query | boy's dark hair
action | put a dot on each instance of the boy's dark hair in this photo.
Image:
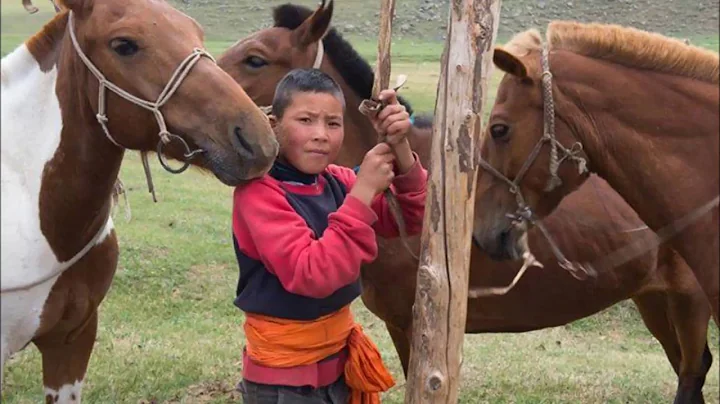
(305, 81)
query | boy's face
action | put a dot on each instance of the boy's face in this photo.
(311, 131)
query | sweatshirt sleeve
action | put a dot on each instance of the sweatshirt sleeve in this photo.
(409, 189)
(269, 230)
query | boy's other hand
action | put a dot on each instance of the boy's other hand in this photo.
(393, 120)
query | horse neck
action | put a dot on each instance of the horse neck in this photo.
(79, 177)
(654, 138)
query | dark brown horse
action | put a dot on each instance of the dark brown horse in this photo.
(99, 78)
(659, 282)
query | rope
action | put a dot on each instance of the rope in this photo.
(524, 213)
(180, 73)
(61, 268)
(549, 127)
(613, 260)
(631, 251)
(528, 261)
(118, 190)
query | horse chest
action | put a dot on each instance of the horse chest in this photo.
(26, 255)
(31, 125)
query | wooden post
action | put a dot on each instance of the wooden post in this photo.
(440, 308)
(381, 80)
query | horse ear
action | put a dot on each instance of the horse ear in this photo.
(508, 63)
(315, 27)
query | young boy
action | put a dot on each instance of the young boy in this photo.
(301, 234)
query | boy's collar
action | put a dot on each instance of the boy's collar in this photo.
(286, 172)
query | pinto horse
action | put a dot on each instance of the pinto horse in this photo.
(74, 98)
(638, 109)
(593, 221)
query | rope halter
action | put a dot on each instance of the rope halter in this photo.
(524, 213)
(165, 137)
(180, 73)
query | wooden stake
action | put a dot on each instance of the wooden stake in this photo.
(381, 82)
(382, 67)
(440, 309)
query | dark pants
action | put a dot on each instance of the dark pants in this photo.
(254, 393)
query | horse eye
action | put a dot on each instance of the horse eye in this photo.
(255, 62)
(499, 130)
(124, 46)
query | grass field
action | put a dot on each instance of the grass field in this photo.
(170, 334)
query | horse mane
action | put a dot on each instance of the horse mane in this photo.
(352, 67)
(43, 46)
(625, 46)
(48, 34)
(523, 43)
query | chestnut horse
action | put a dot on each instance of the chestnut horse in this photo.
(637, 108)
(659, 282)
(74, 97)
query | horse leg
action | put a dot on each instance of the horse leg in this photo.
(654, 310)
(691, 314)
(401, 340)
(65, 358)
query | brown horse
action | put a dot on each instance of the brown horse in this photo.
(659, 282)
(639, 109)
(74, 98)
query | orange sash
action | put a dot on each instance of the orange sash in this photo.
(276, 342)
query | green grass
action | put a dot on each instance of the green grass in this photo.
(169, 332)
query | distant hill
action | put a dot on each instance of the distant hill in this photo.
(427, 19)
(421, 20)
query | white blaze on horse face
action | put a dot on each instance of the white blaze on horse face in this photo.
(68, 393)
(31, 126)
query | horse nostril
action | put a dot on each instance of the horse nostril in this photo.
(241, 139)
(503, 247)
(503, 239)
